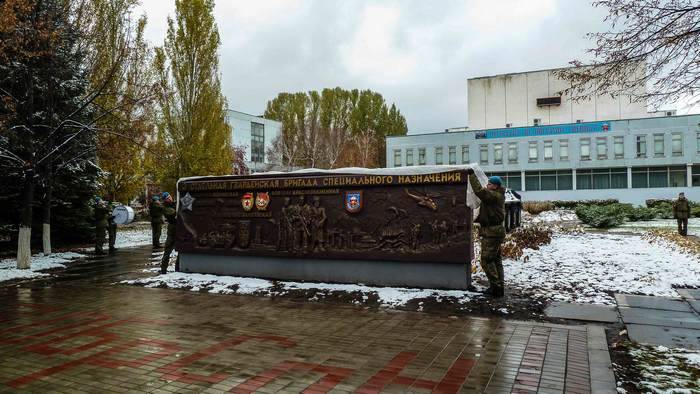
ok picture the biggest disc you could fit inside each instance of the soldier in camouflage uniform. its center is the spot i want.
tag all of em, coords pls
(681, 212)
(156, 211)
(171, 217)
(492, 232)
(102, 213)
(111, 228)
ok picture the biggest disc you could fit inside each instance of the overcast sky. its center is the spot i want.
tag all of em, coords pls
(417, 54)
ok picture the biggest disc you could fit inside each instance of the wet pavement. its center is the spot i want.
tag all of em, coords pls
(79, 332)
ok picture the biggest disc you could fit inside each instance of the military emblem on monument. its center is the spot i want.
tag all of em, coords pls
(262, 199)
(186, 201)
(247, 201)
(353, 201)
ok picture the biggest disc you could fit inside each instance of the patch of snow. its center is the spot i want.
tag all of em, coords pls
(555, 216)
(388, 296)
(642, 226)
(692, 358)
(586, 267)
(664, 370)
(40, 262)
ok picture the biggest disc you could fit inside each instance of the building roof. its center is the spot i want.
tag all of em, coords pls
(548, 125)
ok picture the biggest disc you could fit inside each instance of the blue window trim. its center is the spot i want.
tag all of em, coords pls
(535, 131)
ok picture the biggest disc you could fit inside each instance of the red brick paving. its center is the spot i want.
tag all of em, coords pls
(101, 338)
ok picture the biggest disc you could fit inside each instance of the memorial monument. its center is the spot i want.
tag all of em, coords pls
(398, 227)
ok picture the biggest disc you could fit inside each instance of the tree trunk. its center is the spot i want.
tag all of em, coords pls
(46, 228)
(24, 250)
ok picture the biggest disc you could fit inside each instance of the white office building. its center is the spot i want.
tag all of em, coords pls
(255, 134)
(550, 148)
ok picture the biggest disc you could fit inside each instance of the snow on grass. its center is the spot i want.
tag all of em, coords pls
(588, 267)
(642, 226)
(555, 216)
(388, 296)
(663, 370)
(130, 238)
(40, 262)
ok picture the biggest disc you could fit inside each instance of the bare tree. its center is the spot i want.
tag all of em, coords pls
(652, 43)
(239, 163)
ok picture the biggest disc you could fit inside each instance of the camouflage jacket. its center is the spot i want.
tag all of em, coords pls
(102, 215)
(156, 211)
(492, 211)
(681, 210)
(170, 214)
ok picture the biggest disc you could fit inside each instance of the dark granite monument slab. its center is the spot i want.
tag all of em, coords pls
(306, 226)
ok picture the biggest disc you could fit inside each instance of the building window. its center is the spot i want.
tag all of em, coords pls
(548, 152)
(409, 157)
(483, 154)
(697, 142)
(548, 180)
(465, 154)
(397, 157)
(658, 145)
(641, 146)
(585, 146)
(696, 175)
(602, 148)
(421, 156)
(603, 178)
(452, 154)
(438, 155)
(512, 152)
(619, 147)
(257, 142)
(564, 150)
(677, 144)
(671, 176)
(498, 154)
(533, 154)
(511, 180)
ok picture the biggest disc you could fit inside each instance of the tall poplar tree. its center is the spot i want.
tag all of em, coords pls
(193, 136)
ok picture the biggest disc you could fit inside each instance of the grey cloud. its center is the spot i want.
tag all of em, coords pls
(304, 52)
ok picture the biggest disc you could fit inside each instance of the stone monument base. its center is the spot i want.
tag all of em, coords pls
(369, 272)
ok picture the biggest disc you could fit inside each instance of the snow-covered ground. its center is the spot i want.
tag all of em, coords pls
(388, 296)
(40, 262)
(642, 226)
(587, 267)
(127, 238)
(584, 268)
(554, 216)
(664, 370)
(136, 237)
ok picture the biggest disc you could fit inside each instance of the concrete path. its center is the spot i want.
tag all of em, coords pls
(667, 321)
(80, 333)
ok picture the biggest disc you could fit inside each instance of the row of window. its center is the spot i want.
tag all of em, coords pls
(603, 178)
(257, 142)
(587, 146)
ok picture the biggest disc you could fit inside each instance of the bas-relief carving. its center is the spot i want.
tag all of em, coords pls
(396, 223)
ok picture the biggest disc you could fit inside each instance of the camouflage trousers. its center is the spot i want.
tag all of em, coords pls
(491, 260)
(100, 236)
(112, 232)
(156, 228)
(682, 226)
(168, 249)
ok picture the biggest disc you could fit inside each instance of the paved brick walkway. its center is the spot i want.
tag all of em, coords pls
(78, 336)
